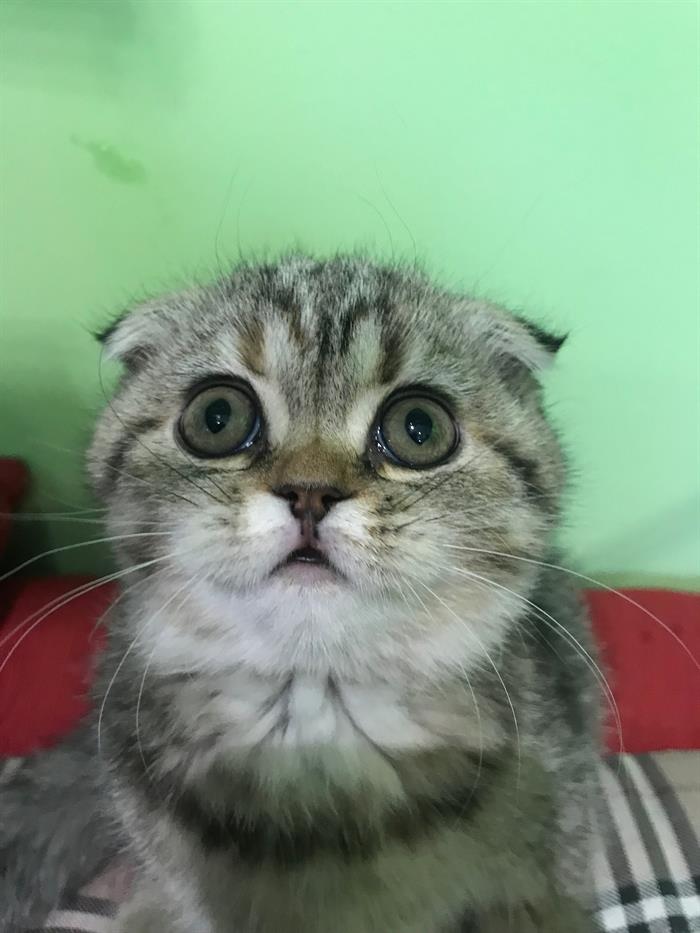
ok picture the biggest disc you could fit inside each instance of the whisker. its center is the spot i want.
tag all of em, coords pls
(185, 586)
(123, 661)
(417, 494)
(470, 687)
(239, 210)
(79, 544)
(109, 687)
(123, 591)
(119, 472)
(64, 598)
(145, 482)
(583, 576)
(21, 516)
(69, 599)
(137, 439)
(73, 451)
(398, 216)
(419, 519)
(227, 199)
(381, 216)
(590, 661)
(497, 672)
(53, 604)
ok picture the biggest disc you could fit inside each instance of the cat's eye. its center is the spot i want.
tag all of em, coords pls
(416, 431)
(220, 420)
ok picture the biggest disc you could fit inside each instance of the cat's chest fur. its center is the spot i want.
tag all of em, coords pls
(304, 711)
(303, 730)
(312, 804)
(308, 763)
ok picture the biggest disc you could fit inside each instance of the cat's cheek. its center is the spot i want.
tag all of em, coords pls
(237, 549)
(352, 538)
(348, 530)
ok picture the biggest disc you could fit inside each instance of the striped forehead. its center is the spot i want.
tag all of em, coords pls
(311, 353)
(320, 374)
(354, 348)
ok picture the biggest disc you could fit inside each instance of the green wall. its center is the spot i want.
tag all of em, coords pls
(541, 153)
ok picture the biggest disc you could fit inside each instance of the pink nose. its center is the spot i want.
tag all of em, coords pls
(310, 502)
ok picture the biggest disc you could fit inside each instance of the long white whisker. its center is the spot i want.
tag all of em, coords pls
(593, 666)
(79, 544)
(69, 599)
(123, 591)
(186, 585)
(126, 654)
(138, 479)
(109, 687)
(463, 669)
(58, 601)
(497, 672)
(40, 515)
(188, 479)
(604, 586)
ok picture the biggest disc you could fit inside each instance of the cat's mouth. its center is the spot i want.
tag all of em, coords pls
(308, 555)
(307, 564)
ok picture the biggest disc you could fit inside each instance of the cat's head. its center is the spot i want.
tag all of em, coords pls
(336, 456)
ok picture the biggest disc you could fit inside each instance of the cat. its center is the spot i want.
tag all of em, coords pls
(343, 691)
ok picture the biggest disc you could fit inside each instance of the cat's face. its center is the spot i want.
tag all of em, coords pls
(328, 452)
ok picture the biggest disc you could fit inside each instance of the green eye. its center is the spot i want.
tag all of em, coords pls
(417, 432)
(220, 421)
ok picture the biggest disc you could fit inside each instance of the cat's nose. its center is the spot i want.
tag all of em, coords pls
(313, 502)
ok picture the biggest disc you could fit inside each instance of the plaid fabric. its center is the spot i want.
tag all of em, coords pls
(647, 873)
(93, 910)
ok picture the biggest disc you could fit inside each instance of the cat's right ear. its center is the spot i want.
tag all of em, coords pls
(133, 337)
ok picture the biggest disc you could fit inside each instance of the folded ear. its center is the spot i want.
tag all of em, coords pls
(519, 343)
(135, 335)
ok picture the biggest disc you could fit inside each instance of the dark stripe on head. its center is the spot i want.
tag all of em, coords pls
(325, 335)
(114, 463)
(251, 335)
(392, 347)
(358, 312)
(265, 282)
(523, 467)
(285, 299)
(388, 282)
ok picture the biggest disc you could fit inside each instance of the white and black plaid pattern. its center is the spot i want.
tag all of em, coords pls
(647, 872)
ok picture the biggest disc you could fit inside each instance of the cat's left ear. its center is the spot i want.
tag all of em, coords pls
(517, 342)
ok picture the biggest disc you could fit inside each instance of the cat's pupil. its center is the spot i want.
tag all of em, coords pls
(419, 425)
(217, 414)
